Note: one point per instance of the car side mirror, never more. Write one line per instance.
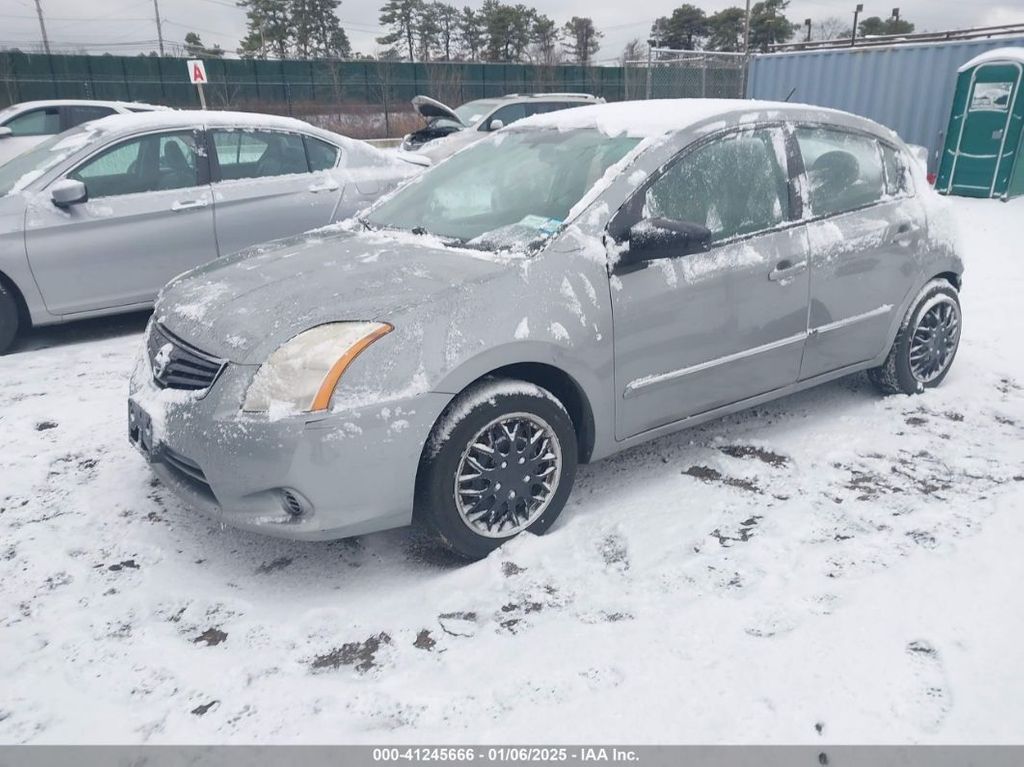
(497, 125)
(68, 192)
(654, 238)
(5, 131)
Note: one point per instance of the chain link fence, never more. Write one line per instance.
(672, 74)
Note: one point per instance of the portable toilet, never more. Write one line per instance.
(983, 154)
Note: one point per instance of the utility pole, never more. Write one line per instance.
(42, 28)
(746, 30)
(807, 23)
(856, 13)
(159, 26)
(650, 67)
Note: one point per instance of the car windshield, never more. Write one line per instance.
(471, 112)
(509, 193)
(23, 169)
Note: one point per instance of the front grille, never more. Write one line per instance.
(177, 365)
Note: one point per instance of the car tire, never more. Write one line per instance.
(925, 345)
(9, 317)
(495, 430)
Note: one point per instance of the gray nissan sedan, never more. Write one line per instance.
(572, 286)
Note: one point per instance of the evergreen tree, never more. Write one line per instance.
(874, 25)
(402, 18)
(446, 22)
(194, 47)
(508, 30)
(546, 36)
(583, 40)
(769, 25)
(471, 33)
(725, 30)
(327, 39)
(428, 31)
(682, 29)
(268, 27)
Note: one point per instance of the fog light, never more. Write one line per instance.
(294, 502)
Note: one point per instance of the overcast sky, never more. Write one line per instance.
(128, 26)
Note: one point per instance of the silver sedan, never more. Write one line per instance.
(97, 219)
(575, 285)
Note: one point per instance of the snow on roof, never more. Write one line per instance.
(996, 54)
(184, 118)
(85, 102)
(187, 118)
(656, 117)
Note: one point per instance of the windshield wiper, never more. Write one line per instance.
(365, 223)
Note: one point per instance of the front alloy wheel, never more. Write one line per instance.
(501, 460)
(507, 475)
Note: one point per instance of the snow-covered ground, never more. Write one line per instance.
(834, 567)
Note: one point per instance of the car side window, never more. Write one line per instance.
(146, 164)
(895, 172)
(37, 122)
(322, 156)
(844, 170)
(507, 114)
(544, 107)
(734, 186)
(77, 114)
(259, 154)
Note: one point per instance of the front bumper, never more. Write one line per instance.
(348, 472)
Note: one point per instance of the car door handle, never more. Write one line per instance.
(189, 204)
(326, 186)
(905, 232)
(786, 269)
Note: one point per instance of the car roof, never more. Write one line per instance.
(585, 98)
(645, 119)
(188, 118)
(85, 102)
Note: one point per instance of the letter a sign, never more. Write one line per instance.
(196, 72)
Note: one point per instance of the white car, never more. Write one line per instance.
(97, 219)
(24, 125)
(449, 130)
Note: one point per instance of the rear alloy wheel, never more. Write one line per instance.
(9, 320)
(501, 461)
(926, 344)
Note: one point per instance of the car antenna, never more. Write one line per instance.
(791, 94)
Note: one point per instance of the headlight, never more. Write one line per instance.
(302, 373)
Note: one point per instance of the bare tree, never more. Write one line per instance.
(831, 28)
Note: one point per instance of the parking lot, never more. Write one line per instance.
(835, 566)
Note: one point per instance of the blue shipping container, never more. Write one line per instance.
(907, 87)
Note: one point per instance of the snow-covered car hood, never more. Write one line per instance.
(243, 307)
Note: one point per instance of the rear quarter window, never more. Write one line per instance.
(322, 156)
(896, 168)
(844, 169)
